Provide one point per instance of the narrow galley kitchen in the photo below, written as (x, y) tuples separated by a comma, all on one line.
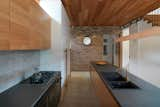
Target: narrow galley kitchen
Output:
[(79, 53)]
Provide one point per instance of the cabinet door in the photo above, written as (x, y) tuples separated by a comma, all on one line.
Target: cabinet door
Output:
[(35, 37), (54, 94), (20, 24), (43, 102), (104, 95), (41, 27), (45, 30), (4, 24)]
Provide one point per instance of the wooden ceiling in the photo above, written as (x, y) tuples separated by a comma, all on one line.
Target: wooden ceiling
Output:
[(107, 12)]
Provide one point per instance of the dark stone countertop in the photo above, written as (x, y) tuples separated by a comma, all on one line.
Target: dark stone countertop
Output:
[(24, 95), (147, 96)]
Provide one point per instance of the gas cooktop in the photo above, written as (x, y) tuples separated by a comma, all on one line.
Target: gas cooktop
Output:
[(42, 77)]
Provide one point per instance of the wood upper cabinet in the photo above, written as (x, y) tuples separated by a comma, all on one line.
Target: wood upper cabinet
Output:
[(4, 24), (35, 37), (20, 24), (24, 25), (41, 25), (45, 30)]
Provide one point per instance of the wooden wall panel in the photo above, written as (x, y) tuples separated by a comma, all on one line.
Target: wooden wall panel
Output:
[(35, 38), (4, 24), (41, 28), (20, 24), (24, 25), (45, 29)]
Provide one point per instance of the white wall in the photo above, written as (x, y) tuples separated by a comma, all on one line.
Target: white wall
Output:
[(145, 55), (54, 59)]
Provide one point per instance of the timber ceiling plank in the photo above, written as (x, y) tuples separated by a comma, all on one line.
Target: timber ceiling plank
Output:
[(97, 11), (93, 6), (143, 8), (121, 13), (117, 10), (67, 4), (107, 12)]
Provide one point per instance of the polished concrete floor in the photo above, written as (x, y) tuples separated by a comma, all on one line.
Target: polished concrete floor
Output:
[(80, 92)]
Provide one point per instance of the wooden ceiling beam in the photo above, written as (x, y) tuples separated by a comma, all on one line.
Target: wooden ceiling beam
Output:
[(154, 31)]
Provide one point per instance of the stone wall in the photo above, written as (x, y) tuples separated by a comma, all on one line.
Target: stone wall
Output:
[(82, 55)]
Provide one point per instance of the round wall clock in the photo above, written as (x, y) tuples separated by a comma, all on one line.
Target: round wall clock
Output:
[(87, 40)]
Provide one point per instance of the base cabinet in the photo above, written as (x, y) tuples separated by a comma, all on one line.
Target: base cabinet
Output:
[(51, 97), (43, 102), (54, 95), (103, 93)]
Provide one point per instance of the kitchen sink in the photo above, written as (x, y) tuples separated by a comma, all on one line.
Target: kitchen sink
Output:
[(123, 85), (113, 76), (117, 81)]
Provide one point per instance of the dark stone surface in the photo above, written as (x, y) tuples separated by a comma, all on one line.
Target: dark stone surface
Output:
[(24, 95), (147, 96)]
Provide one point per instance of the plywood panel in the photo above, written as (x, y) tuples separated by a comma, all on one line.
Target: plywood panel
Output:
[(4, 24), (35, 38), (20, 24), (41, 28), (4, 16), (24, 25)]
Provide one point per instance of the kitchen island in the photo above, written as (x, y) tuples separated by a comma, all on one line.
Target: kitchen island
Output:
[(146, 95)]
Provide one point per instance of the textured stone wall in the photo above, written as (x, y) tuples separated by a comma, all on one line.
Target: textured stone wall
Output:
[(82, 55), (16, 66)]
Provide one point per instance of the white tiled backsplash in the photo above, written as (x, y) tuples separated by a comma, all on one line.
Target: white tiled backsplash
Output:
[(17, 65)]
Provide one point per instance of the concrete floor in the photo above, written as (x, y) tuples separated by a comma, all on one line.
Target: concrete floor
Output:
[(80, 92)]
